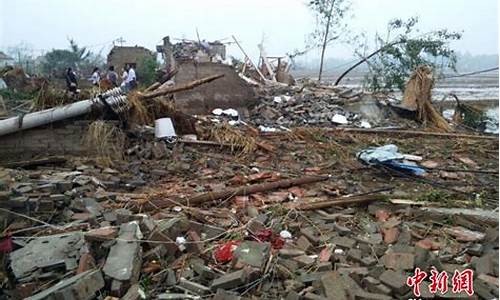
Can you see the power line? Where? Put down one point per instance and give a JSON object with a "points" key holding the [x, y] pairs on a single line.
{"points": [[471, 73]]}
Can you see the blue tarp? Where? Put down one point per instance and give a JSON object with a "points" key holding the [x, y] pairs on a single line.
{"points": [[389, 157]]}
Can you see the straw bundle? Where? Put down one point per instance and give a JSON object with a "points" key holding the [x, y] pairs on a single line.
{"points": [[105, 141], [417, 96]]}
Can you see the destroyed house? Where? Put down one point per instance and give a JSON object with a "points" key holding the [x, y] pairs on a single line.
{"points": [[194, 60], [201, 51]]}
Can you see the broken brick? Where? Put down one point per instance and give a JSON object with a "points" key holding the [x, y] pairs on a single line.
{"points": [[230, 280], [396, 281], [399, 261]]}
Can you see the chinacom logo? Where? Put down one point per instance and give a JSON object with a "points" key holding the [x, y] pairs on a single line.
{"points": [[461, 281]]}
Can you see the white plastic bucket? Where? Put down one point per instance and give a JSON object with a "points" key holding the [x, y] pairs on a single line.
{"points": [[164, 128]]}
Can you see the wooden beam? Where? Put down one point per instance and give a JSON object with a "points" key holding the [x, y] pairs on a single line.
{"points": [[180, 88], [247, 57]]}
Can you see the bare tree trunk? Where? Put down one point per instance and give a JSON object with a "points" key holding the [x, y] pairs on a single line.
{"points": [[325, 41]]}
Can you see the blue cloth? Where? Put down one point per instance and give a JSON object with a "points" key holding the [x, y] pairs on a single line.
{"points": [[389, 157], [416, 170]]}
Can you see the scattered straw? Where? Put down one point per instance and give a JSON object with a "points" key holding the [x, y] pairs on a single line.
{"points": [[48, 97], [144, 112], [239, 142], [417, 96], [138, 113], [105, 141]]}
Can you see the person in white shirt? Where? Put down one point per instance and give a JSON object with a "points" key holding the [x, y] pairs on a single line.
{"points": [[131, 80], [96, 77], [124, 77]]}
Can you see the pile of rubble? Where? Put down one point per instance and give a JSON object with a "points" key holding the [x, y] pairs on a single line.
{"points": [[172, 222], [315, 105], [298, 212], [301, 109]]}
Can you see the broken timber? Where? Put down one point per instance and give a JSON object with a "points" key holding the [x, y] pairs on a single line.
{"points": [[241, 191], [180, 88], [34, 162], [261, 145], [352, 200], [248, 58], [400, 132]]}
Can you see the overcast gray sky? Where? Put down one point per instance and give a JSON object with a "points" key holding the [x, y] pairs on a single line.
{"points": [[46, 24]]}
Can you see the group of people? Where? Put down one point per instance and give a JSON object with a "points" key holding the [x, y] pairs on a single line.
{"points": [[128, 78]]}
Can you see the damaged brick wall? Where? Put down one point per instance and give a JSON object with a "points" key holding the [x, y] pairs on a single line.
{"points": [[63, 138], [228, 92]]}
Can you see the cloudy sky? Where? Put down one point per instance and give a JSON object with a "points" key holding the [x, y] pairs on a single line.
{"points": [[284, 24]]}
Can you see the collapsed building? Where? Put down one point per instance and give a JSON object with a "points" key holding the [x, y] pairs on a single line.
{"points": [[194, 60]]}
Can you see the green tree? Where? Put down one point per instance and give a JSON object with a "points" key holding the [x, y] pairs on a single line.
{"points": [[79, 58], [81, 53], [57, 60], [329, 15], [404, 49], [146, 70]]}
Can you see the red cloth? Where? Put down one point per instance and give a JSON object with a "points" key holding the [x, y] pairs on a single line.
{"points": [[224, 253], [6, 244], [267, 235]]}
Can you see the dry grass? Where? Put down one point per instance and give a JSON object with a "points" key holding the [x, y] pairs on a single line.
{"points": [[3, 108], [418, 96], [238, 141], [48, 97], [318, 138], [161, 108], [144, 112], [138, 113], [105, 141]]}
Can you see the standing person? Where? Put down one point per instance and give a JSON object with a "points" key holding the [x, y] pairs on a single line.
{"points": [[131, 78], [96, 77], [124, 77], [112, 76], [71, 81]]}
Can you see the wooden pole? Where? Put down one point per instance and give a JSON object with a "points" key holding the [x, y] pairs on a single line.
{"points": [[338, 202], [266, 62], [247, 57], [34, 162], [240, 191], [418, 133], [251, 189], [180, 88]]}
